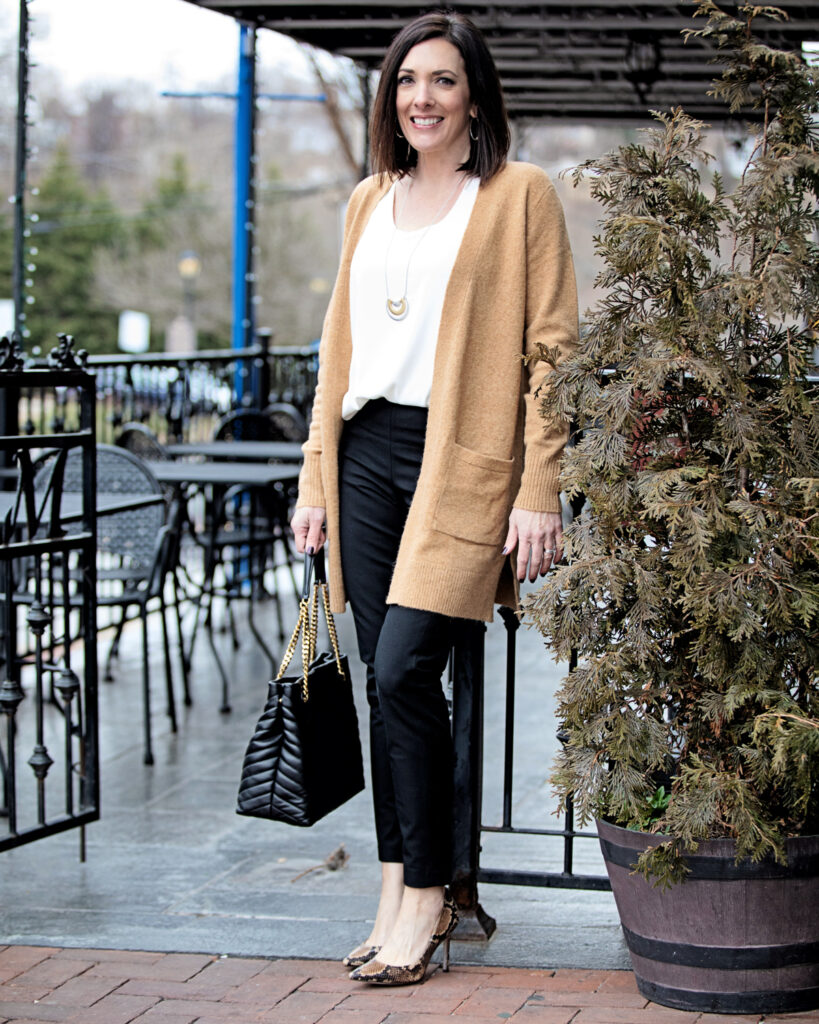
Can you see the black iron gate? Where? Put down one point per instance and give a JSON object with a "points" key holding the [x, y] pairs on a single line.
{"points": [[468, 827], [49, 754]]}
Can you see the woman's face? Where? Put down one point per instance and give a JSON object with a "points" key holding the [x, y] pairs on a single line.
{"points": [[432, 100]]}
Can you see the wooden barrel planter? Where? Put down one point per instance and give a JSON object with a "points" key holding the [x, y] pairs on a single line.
{"points": [[732, 938]]}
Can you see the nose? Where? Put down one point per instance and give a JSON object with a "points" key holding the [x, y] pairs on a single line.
{"points": [[422, 97]]}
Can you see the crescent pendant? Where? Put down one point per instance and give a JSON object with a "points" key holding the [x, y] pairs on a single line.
{"points": [[398, 310]]}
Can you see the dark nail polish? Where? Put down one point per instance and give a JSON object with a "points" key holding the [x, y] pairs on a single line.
{"points": [[505, 551], [311, 551]]}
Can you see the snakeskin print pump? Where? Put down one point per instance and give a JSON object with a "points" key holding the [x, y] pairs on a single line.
{"points": [[360, 955], [388, 974]]}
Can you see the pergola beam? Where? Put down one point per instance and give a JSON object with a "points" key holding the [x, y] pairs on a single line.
{"points": [[622, 58]]}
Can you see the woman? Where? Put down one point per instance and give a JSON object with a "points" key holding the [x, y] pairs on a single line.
{"points": [[428, 459]]}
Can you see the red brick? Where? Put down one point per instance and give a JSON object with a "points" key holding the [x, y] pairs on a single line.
{"points": [[301, 1008], [164, 989], [574, 976], [15, 960], [517, 977], [255, 1019], [620, 981], [651, 1014], [52, 973], [82, 991], [171, 967], [109, 955], [311, 968], [17, 991], [113, 1009], [533, 1014], [723, 1018], [321, 984], [492, 1002], [457, 980], [266, 988], [564, 980], [423, 1000], [14, 1010], [195, 1008], [159, 1014], [371, 994], [558, 997], [402, 1017], [26, 1020], [791, 1018], [339, 1015], [228, 972]]}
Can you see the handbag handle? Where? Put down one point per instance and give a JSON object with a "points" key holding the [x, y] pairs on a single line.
{"points": [[315, 582]]}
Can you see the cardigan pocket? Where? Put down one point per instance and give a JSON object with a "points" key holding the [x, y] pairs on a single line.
{"points": [[474, 502]]}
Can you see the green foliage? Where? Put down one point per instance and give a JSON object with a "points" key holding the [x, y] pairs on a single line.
{"points": [[691, 591], [72, 226]]}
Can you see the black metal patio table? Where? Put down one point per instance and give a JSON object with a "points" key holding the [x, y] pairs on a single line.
{"points": [[198, 475], [252, 451], [223, 484], [71, 509]]}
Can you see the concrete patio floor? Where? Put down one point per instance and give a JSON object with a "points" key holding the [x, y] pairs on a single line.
{"points": [[172, 868]]}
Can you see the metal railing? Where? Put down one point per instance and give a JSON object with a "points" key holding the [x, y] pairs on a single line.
{"points": [[181, 396], [49, 749]]}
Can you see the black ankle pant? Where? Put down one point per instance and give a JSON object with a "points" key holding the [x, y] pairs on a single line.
{"points": [[404, 649]]}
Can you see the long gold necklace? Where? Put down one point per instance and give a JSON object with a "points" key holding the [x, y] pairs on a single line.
{"points": [[397, 309]]}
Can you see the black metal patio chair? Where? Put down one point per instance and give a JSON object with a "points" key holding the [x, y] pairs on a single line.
{"points": [[137, 540]]}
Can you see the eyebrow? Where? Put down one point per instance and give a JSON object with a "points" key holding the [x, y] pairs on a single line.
{"points": [[440, 71]]}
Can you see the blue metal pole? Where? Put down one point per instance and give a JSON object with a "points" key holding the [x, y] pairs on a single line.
{"points": [[243, 225]]}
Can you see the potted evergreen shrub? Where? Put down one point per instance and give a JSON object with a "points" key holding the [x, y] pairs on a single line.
{"points": [[690, 593]]}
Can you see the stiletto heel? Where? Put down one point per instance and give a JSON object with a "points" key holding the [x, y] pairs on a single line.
{"points": [[388, 974]]}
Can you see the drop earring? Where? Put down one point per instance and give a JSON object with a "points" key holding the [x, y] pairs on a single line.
{"points": [[473, 121]]}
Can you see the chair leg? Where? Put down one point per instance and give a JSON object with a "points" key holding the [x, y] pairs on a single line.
{"points": [[186, 664], [113, 650], [148, 757], [168, 670], [186, 690]]}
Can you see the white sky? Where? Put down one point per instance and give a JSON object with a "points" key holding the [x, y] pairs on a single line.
{"points": [[170, 44]]}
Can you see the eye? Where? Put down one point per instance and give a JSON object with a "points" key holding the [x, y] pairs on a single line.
{"points": [[405, 79], [446, 80]]}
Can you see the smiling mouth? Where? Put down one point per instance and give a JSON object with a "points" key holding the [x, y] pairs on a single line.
{"points": [[426, 122]]}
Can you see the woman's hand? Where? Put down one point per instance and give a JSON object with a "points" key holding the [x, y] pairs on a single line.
{"points": [[307, 525], [539, 540]]}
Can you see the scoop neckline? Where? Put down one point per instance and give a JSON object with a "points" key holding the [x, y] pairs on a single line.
{"points": [[427, 227]]}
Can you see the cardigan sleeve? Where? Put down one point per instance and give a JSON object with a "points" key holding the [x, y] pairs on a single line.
{"points": [[551, 322]]}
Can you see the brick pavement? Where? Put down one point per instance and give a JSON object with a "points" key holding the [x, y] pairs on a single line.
{"points": [[41, 984]]}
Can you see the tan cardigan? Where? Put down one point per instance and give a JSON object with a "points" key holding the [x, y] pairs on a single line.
{"points": [[487, 446]]}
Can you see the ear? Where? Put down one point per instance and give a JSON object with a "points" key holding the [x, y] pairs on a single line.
{"points": [[473, 110]]}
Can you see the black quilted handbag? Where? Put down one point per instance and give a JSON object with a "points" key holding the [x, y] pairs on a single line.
{"points": [[304, 758]]}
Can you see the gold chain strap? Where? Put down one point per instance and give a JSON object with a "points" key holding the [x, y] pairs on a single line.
{"points": [[291, 647], [308, 643], [307, 625], [331, 625]]}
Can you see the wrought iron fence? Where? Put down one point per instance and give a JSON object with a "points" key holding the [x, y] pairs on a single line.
{"points": [[48, 693], [184, 396]]}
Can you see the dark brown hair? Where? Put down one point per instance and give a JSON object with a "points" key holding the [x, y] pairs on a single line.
{"points": [[486, 156]]}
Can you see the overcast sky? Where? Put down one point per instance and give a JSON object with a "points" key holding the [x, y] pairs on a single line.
{"points": [[171, 44]]}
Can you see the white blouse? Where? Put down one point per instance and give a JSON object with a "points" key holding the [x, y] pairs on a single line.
{"points": [[393, 359]]}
